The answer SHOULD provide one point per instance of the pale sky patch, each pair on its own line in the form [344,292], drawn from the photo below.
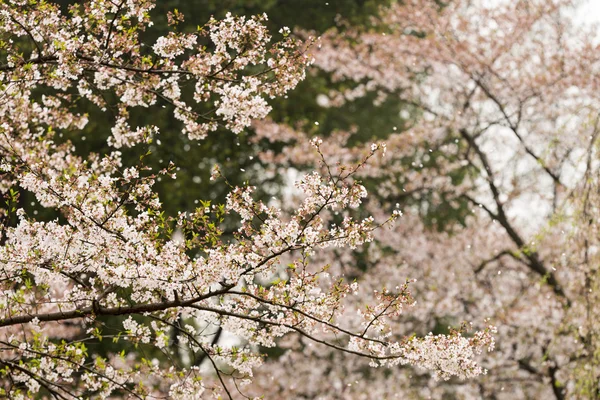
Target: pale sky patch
[589,11]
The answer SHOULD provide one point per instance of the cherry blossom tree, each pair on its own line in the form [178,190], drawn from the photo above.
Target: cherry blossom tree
[112,267]
[502,103]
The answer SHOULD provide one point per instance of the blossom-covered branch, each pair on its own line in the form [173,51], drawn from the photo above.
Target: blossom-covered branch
[231,64]
[112,267]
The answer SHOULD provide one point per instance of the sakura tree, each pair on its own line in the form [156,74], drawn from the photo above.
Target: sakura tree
[172,284]
[502,103]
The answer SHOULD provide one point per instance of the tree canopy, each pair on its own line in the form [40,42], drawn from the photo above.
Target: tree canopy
[347,199]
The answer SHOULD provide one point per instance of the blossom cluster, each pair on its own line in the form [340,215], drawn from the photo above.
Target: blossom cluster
[98,50]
